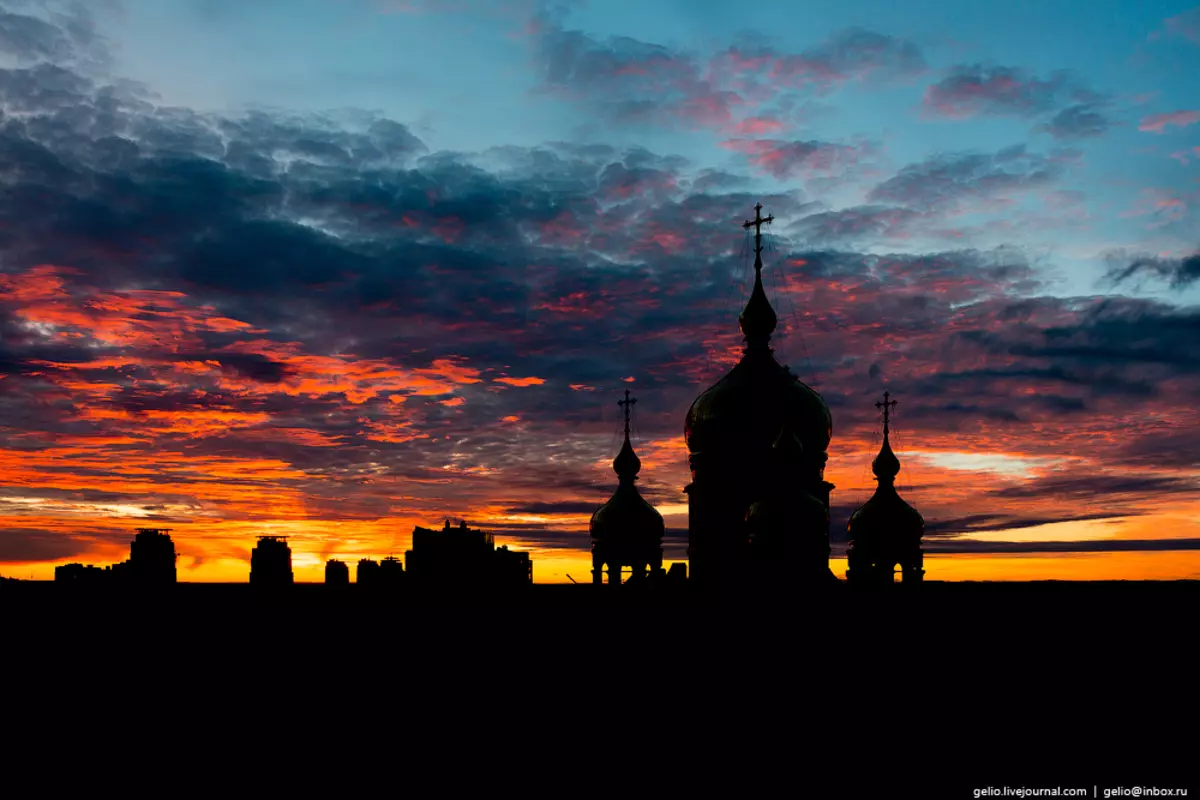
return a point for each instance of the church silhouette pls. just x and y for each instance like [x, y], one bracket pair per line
[758, 501]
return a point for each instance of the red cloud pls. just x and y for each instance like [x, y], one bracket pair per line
[758, 126]
[792, 159]
[1156, 123]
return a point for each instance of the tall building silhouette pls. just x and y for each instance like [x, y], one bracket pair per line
[885, 531]
[758, 502]
[366, 573]
[336, 573]
[271, 562]
[626, 531]
[152, 557]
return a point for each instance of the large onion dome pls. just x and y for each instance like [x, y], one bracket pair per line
[744, 411]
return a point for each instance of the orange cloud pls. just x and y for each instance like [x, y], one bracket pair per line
[520, 381]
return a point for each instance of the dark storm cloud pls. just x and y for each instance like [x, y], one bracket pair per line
[567, 507]
[944, 534]
[1164, 448]
[989, 523]
[54, 31]
[24, 545]
[1112, 356]
[1177, 272]
[1099, 485]
[674, 540]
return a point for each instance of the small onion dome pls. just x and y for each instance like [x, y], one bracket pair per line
[627, 465]
[627, 517]
[758, 319]
[886, 466]
[886, 514]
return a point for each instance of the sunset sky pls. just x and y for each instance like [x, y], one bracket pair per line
[335, 268]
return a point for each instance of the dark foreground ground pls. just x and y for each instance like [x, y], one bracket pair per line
[932, 615]
[937, 690]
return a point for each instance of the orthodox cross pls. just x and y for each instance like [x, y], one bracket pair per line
[887, 406]
[758, 222]
[627, 403]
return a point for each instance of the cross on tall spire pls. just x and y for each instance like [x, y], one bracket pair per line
[887, 406]
[757, 223]
[627, 403]
[758, 320]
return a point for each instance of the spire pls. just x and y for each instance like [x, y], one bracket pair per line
[886, 466]
[627, 464]
[758, 320]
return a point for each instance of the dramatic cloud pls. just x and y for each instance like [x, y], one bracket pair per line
[784, 160]
[1070, 110]
[976, 89]
[1177, 272]
[856, 224]
[633, 81]
[1100, 486]
[852, 54]
[949, 180]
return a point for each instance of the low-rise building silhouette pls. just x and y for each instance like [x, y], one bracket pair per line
[80, 573]
[464, 558]
[336, 573]
[151, 562]
[513, 567]
[271, 562]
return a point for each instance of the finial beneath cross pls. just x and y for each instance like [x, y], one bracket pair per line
[887, 406]
[758, 221]
[627, 403]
